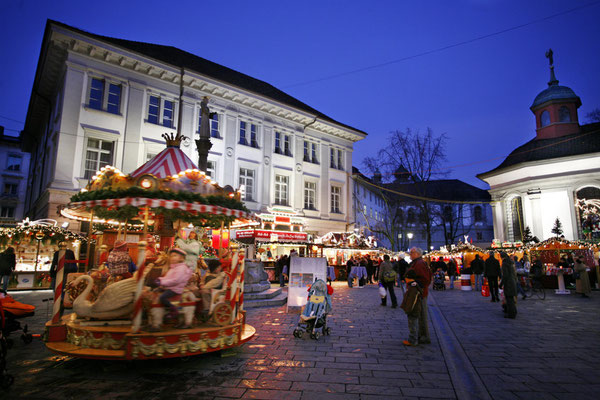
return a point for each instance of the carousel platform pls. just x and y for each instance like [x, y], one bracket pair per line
[114, 340]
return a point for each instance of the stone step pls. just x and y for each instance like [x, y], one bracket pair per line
[265, 294]
[279, 300]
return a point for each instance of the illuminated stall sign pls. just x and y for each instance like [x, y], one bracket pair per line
[268, 236]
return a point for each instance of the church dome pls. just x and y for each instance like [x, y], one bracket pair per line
[555, 92]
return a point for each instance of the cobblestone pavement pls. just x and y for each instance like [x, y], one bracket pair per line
[551, 351]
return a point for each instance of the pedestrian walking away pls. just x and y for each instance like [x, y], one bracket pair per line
[477, 267]
[492, 273]
[387, 277]
[582, 280]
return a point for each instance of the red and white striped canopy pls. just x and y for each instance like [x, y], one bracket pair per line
[168, 162]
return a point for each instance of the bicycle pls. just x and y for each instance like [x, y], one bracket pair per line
[532, 286]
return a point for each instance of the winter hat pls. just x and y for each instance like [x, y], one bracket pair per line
[120, 245]
[178, 251]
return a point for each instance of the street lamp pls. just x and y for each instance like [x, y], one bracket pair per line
[409, 235]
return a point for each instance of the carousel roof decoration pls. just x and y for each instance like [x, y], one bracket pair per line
[169, 184]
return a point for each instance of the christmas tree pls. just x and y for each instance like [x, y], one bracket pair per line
[527, 236]
[557, 229]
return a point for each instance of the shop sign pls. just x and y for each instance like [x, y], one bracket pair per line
[272, 236]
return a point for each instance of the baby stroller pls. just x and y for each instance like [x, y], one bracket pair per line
[5, 379]
[13, 310]
[439, 279]
[315, 312]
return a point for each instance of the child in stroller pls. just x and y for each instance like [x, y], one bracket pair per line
[315, 312]
[439, 279]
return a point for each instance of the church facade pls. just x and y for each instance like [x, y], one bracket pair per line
[100, 101]
[551, 176]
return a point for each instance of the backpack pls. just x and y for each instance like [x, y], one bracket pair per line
[389, 276]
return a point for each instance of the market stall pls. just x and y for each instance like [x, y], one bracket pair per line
[339, 247]
[35, 243]
[125, 320]
[550, 253]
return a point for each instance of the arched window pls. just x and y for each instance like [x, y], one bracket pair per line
[411, 216]
[588, 204]
[564, 115]
[545, 118]
[478, 214]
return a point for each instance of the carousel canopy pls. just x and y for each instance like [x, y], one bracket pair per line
[168, 185]
[171, 161]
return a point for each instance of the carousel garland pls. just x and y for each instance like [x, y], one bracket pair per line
[131, 213]
[213, 200]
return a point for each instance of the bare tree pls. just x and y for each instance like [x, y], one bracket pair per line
[594, 115]
[452, 218]
[412, 157]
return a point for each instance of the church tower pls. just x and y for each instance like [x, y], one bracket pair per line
[555, 108]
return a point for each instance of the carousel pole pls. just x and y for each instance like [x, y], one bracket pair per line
[139, 279]
[90, 258]
[221, 235]
[58, 285]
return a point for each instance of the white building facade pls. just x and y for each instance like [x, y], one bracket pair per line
[100, 101]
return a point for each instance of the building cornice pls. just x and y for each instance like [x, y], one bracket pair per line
[127, 59]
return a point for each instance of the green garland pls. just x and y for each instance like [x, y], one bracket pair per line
[214, 200]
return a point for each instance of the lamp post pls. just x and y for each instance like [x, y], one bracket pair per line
[409, 235]
[399, 241]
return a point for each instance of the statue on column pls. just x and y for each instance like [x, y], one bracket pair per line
[203, 143]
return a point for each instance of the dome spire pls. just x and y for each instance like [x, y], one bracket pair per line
[553, 81]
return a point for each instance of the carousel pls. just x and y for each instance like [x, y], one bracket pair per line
[122, 318]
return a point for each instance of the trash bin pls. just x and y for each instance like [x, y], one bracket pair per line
[465, 280]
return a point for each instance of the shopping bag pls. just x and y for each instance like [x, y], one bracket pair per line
[382, 291]
[485, 290]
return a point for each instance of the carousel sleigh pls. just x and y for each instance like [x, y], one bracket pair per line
[104, 328]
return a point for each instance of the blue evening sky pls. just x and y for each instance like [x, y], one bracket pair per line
[478, 93]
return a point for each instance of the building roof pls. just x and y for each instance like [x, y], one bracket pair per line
[587, 141]
[555, 92]
[179, 58]
[445, 190]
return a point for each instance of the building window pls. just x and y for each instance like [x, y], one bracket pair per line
[310, 194]
[564, 115]
[214, 125]
[243, 139]
[161, 111]
[479, 236]
[248, 138]
[545, 118]
[150, 156]
[282, 144]
[211, 168]
[310, 152]
[478, 214]
[13, 163]
[99, 153]
[98, 100]
[281, 190]
[96, 94]
[7, 212]
[253, 136]
[168, 113]
[335, 158]
[247, 179]
[11, 189]
[336, 192]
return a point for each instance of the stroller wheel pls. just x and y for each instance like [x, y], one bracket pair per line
[298, 333]
[26, 338]
[327, 331]
[315, 335]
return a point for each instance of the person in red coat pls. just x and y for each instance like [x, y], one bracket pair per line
[417, 325]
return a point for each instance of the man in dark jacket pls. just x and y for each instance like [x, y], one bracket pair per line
[451, 272]
[492, 272]
[477, 267]
[423, 277]
[509, 284]
[8, 261]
